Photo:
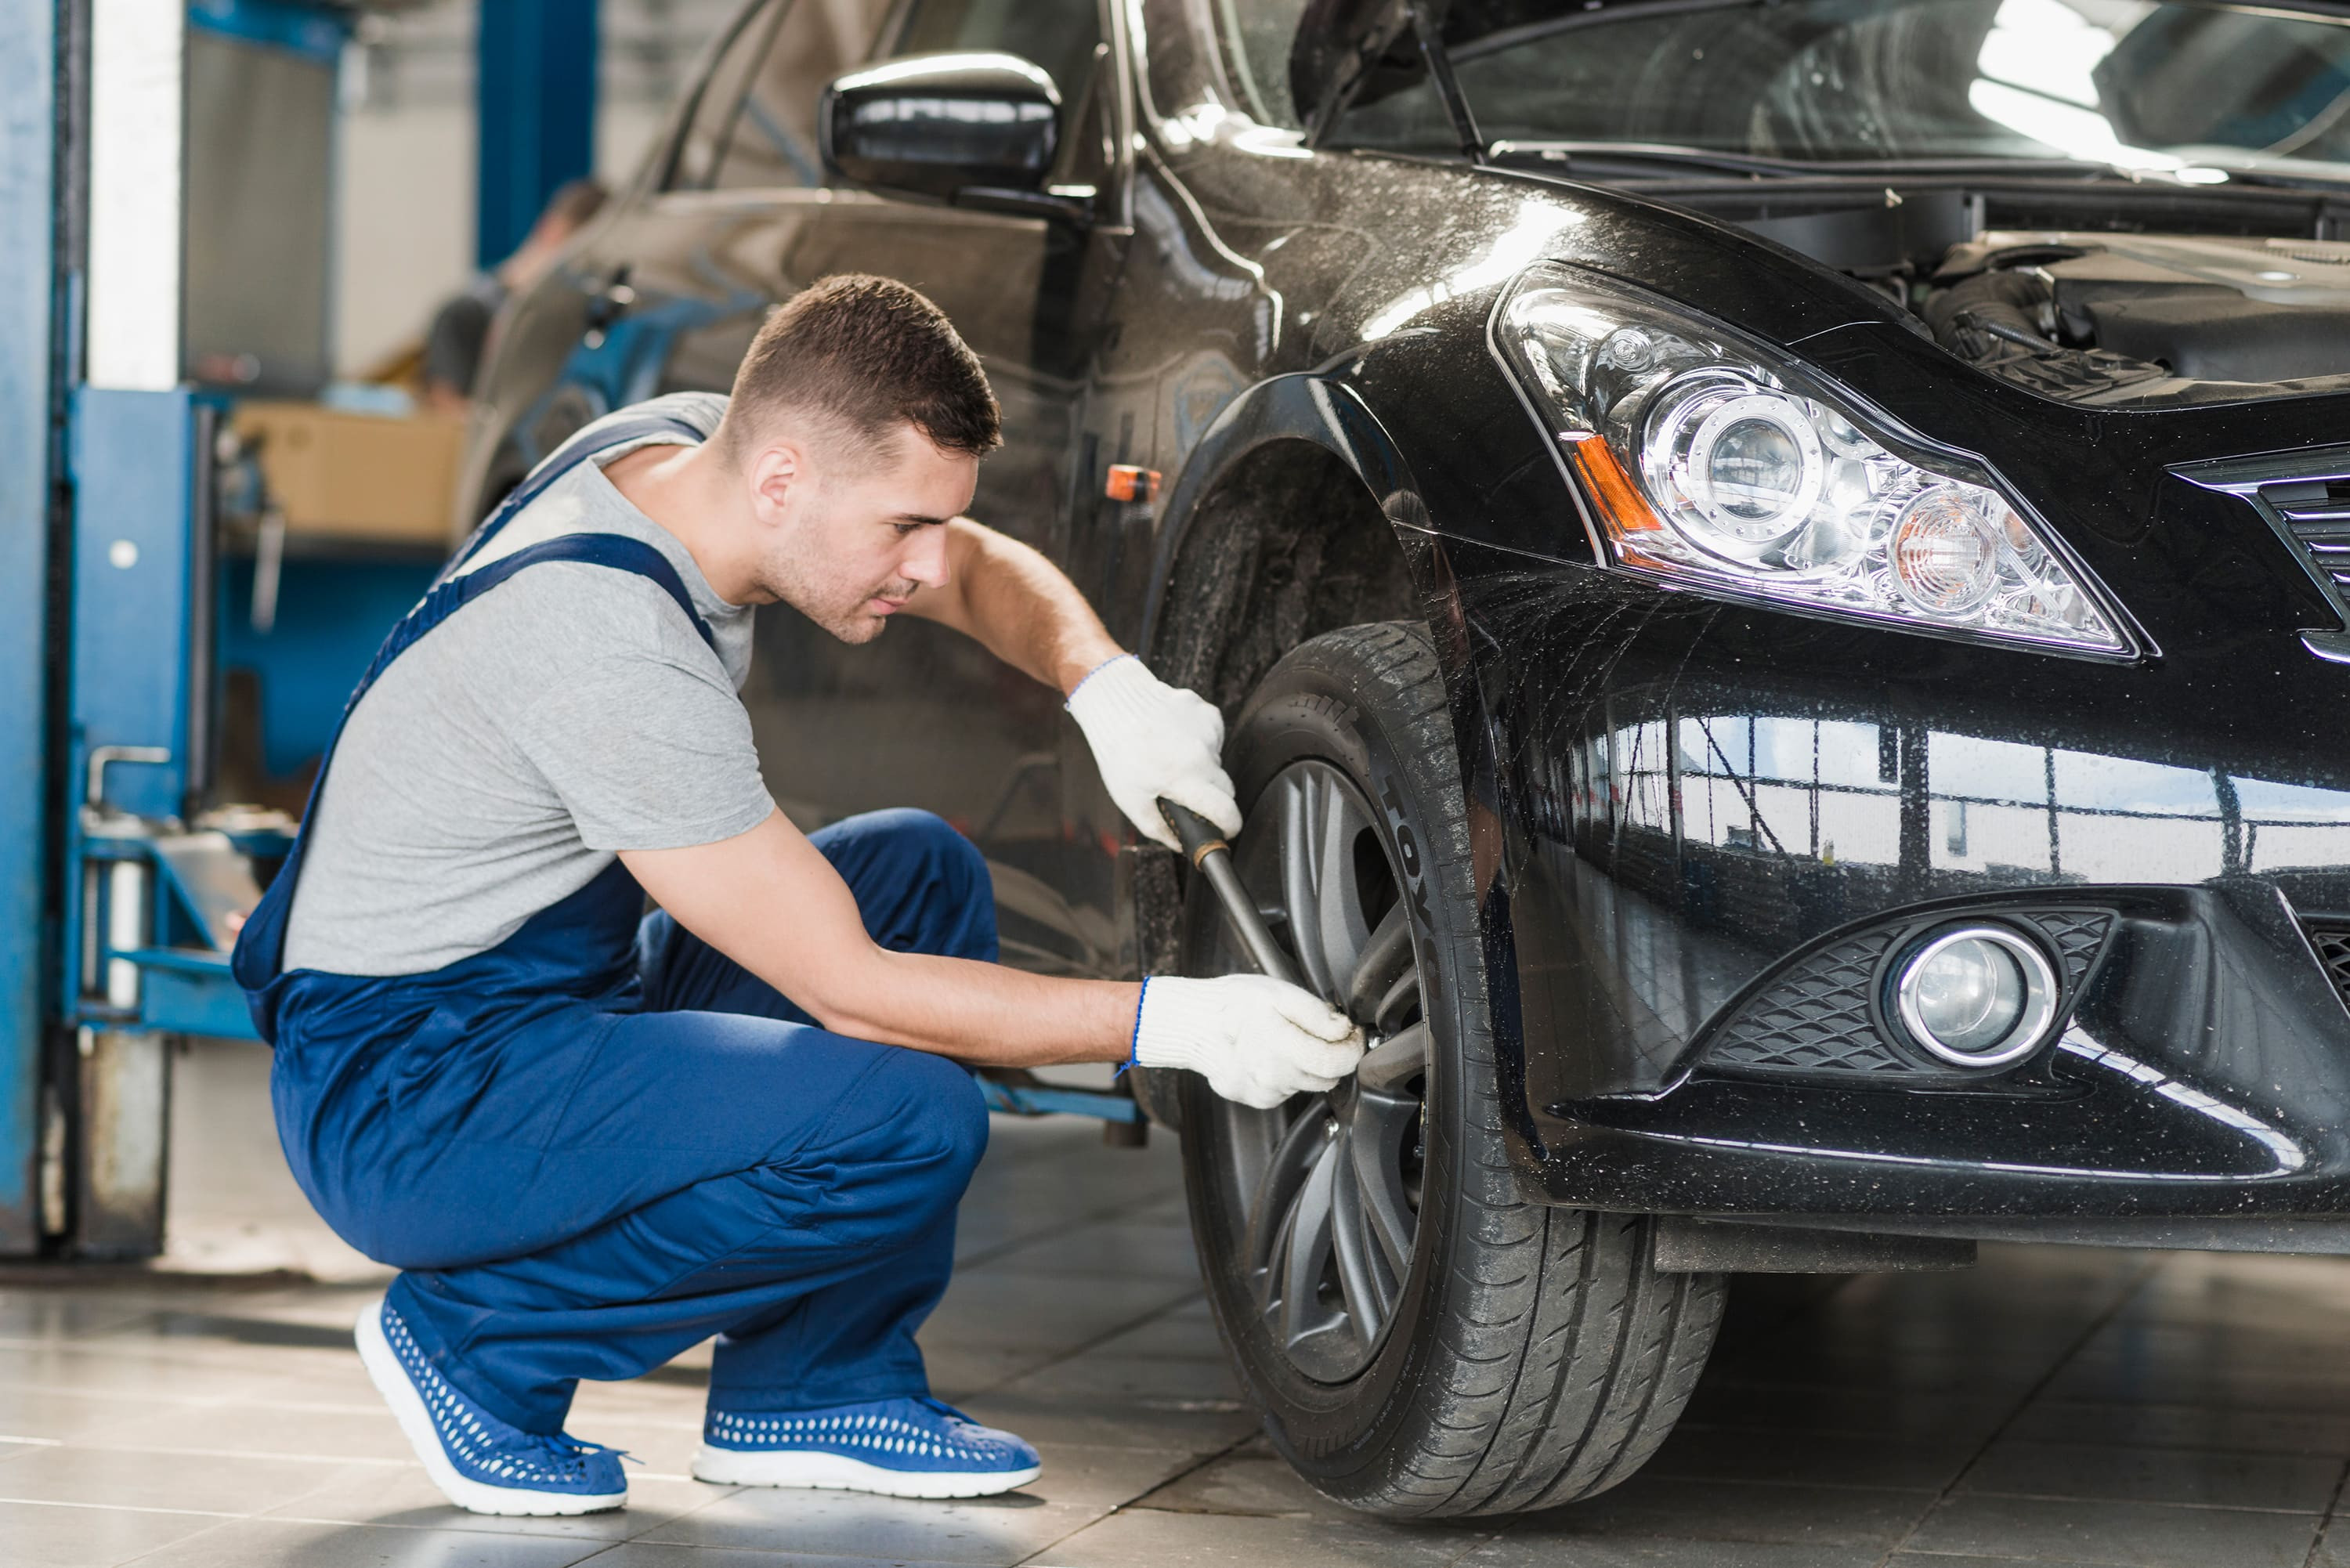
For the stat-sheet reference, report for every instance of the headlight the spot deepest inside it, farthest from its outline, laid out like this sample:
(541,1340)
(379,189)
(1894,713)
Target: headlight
(1712,461)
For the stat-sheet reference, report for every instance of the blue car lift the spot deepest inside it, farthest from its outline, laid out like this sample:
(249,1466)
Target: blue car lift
(32,303)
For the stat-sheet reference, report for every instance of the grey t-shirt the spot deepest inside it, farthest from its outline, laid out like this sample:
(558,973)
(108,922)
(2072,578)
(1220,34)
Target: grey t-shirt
(571,712)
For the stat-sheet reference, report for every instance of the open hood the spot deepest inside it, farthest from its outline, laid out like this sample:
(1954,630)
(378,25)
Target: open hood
(1351,49)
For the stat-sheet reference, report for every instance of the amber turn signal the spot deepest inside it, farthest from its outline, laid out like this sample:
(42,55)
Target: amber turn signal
(1128,483)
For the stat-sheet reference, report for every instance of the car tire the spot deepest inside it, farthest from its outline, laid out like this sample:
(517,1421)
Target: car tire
(1517,1355)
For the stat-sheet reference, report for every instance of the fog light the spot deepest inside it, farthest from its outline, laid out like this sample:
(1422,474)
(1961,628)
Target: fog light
(1977,996)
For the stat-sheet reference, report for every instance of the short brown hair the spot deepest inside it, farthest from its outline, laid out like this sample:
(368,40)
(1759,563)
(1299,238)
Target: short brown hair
(870,354)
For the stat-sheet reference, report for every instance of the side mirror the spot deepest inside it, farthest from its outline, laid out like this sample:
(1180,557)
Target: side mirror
(973,128)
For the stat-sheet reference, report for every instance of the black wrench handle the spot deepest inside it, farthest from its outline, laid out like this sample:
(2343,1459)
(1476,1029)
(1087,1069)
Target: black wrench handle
(1206,849)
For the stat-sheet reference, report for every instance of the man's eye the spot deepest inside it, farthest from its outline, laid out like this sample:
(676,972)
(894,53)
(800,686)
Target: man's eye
(904,528)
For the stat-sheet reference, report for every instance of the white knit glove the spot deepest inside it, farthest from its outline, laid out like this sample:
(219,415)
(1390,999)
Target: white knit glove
(1255,1039)
(1151,739)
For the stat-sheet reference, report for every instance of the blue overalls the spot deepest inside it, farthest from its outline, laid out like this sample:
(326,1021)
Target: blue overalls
(602,1141)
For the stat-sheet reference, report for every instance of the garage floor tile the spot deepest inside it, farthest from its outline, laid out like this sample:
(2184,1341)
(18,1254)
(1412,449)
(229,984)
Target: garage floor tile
(648,1554)
(2185,1426)
(1968,1560)
(986,1531)
(1252,1479)
(1511,1552)
(1204,1426)
(1818,1459)
(52,1535)
(215,1482)
(2291,1482)
(1675,1507)
(2146,1535)
(278,1544)
(1146,1538)
(1855,1412)
(401,1496)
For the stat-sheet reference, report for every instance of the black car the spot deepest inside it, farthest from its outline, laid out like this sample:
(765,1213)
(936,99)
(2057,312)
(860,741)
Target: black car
(1778,574)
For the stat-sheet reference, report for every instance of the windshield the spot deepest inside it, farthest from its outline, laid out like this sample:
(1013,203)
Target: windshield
(2138,84)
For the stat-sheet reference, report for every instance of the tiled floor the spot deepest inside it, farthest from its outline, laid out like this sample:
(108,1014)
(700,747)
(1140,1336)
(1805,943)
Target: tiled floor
(2054,1406)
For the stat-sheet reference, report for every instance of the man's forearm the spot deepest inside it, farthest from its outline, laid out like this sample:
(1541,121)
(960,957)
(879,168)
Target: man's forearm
(1019,607)
(771,902)
(985,1013)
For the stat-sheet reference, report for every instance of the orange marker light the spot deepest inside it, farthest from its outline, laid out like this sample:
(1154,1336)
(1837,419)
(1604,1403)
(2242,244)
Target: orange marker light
(1128,483)
(1624,513)
(1620,499)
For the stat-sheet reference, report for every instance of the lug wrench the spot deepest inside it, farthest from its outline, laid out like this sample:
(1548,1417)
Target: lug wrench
(1213,858)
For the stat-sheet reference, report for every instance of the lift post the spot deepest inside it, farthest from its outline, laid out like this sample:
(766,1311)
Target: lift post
(535,106)
(31,426)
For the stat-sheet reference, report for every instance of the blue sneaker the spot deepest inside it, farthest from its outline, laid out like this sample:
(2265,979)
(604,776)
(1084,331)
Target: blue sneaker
(478,1461)
(900,1447)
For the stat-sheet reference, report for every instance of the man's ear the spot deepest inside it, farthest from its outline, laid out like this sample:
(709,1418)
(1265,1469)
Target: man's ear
(774,470)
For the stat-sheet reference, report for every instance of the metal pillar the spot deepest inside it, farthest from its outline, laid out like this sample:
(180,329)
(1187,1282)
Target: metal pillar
(30,383)
(122,631)
(535,89)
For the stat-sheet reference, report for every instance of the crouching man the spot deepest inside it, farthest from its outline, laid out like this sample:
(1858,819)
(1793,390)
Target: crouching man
(591,1137)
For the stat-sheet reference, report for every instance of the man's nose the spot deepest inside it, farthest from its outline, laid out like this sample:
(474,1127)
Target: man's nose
(926,563)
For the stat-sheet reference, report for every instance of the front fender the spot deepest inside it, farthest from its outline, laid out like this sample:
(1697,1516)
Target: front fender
(1302,407)
(1335,417)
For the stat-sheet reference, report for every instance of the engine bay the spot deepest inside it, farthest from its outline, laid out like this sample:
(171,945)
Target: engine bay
(2105,293)
(2105,318)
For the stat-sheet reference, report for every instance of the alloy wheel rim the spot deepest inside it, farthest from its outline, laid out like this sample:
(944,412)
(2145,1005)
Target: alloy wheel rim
(1331,1181)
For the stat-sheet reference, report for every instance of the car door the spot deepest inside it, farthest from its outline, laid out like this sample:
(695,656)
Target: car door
(733,216)
(924,717)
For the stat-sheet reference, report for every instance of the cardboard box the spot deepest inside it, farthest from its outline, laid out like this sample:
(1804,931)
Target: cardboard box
(357,476)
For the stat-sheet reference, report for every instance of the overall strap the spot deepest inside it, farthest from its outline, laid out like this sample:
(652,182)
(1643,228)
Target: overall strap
(597,437)
(618,551)
(261,944)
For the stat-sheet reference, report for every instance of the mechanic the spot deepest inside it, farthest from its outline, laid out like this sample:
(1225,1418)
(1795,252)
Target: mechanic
(592,1137)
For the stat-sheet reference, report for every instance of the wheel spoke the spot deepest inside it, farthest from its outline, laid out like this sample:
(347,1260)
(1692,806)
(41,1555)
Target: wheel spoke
(1293,1160)
(1386,958)
(1379,1183)
(1300,802)
(1338,899)
(1360,1284)
(1405,987)
(1306,1245)
(1396,1061)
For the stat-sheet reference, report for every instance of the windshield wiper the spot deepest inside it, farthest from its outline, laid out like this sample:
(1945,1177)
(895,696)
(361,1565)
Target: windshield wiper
(1571,154)
(1567,157)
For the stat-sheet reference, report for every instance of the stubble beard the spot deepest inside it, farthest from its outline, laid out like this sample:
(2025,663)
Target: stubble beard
(851,623)
(854,624)
(858,628)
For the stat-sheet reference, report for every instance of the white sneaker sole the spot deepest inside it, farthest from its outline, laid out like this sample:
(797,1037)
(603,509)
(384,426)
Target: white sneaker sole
(837,1472)
(408,1406)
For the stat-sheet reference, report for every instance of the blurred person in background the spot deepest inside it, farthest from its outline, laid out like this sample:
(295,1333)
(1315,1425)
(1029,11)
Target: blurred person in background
(460,327)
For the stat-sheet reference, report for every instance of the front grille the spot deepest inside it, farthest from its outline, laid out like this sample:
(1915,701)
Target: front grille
(2316,516)
(2332,941)
(2305,497)
(1816,1019)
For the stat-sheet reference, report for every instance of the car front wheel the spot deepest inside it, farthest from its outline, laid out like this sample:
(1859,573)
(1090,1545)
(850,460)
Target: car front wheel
(1420,1340)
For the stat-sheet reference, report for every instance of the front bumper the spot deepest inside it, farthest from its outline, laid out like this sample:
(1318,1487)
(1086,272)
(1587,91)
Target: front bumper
(1681,803)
